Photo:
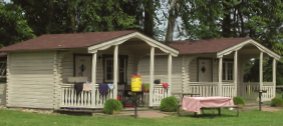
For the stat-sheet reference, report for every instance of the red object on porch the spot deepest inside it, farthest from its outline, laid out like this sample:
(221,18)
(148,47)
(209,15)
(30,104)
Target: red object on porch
(165,85)
(119,98)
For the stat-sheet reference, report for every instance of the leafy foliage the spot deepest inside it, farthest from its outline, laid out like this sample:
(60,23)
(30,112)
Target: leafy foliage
(112,105)
(238,101)
(277,102)
(52,16)
(169,104)
(14,27)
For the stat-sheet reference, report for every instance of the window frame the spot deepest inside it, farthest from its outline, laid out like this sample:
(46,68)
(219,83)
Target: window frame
(228,71)
(125,72)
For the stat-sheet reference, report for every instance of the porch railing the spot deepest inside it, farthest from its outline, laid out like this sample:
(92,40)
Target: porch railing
(210,88)
(270,88)
(228,89)
(249,89)
(86,99)
(159,92)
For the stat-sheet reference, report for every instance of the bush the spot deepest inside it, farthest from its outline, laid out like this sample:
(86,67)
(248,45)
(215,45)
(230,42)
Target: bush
(169,104)
(112,105)
(277,102)
(238,101)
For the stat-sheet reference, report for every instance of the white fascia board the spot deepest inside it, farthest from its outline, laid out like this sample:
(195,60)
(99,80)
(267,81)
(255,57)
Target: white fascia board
(250,41)
(138,35)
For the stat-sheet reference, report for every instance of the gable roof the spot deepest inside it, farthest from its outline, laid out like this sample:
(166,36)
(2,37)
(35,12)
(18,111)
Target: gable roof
(222,46)
(136,35)
(252,42)
(65,41)
(205,46)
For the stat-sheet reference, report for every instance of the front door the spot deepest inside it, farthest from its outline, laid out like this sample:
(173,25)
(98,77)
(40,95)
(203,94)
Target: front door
(83,66)
(204,70)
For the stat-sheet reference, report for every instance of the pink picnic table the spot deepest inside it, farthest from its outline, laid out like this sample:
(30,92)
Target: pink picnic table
(194,104)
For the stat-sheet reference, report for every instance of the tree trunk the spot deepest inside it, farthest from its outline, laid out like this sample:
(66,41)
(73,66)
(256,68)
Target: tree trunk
(71,16)
(148,18)
(48,28)
(171,21)
(226,23)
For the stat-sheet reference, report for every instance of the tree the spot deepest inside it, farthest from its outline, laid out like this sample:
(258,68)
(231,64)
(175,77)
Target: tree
(173,14)
(52,16)
(14,27)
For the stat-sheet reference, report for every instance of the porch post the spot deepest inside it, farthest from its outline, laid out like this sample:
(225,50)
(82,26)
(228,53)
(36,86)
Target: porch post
(260,70)
(236,71)
(274,76)
(93,76)
(151,73)
(115,71)
(169,74)
(220,76)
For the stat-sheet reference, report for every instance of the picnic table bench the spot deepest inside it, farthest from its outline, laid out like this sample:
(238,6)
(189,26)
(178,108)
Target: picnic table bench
(219,109)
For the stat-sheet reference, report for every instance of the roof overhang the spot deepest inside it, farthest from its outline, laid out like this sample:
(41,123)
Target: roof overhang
(120,40)
(252,42)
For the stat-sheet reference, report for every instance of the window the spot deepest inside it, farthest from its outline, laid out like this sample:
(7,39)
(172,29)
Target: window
(108,69)
(3,67)
(227,73)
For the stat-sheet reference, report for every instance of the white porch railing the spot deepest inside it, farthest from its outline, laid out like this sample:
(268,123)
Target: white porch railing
(228,89)
(269,87)
(210,88)
(158,94)
(249,89)
(85,99)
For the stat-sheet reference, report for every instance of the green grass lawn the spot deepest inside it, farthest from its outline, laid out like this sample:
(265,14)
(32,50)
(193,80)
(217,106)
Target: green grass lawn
(247,118)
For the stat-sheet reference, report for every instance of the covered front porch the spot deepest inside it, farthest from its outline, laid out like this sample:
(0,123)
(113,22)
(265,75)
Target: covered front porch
(112,63)
(222,74)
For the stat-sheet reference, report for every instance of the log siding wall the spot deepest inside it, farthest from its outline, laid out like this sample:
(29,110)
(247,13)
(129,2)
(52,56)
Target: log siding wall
(31,79)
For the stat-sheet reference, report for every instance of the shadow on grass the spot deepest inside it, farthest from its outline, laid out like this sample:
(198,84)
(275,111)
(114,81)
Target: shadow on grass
(210,114)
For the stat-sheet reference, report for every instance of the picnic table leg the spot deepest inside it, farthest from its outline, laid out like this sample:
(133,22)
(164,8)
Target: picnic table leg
(237,112)
(219,111)
(178,110)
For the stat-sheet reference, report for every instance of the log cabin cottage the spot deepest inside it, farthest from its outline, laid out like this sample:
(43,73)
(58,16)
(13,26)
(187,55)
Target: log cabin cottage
(42,72)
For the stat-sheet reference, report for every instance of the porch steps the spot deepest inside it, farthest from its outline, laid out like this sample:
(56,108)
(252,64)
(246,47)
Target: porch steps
(82,111)
(85,110)
(78,111)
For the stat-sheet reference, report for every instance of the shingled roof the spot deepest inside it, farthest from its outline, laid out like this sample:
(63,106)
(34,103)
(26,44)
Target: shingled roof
(205,46)
(65,41)
(84,40)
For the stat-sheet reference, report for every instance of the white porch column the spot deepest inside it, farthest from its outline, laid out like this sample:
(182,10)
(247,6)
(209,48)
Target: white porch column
(151,73)
(236,71)
(260,70)
(274,76)
(115,71)
(220,76)
(93,76)
(169,74)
